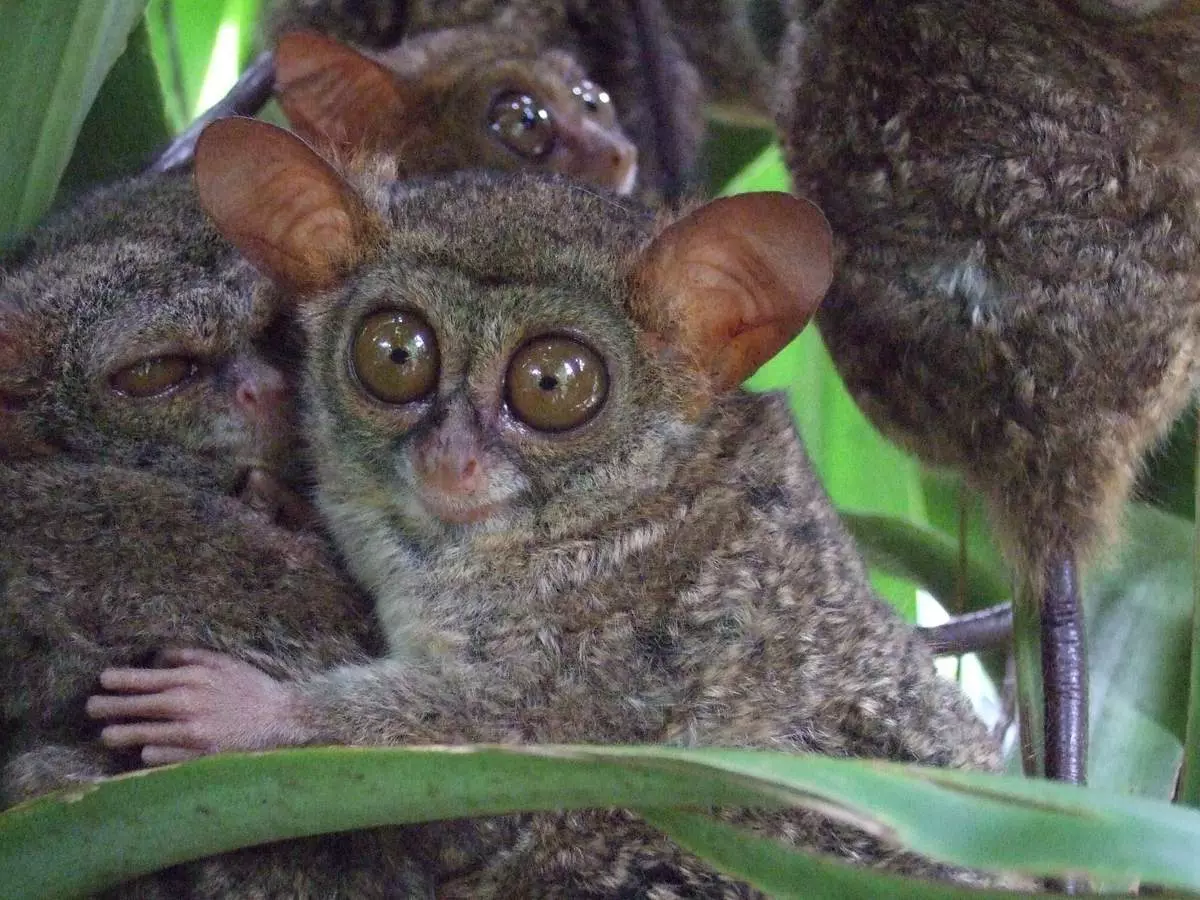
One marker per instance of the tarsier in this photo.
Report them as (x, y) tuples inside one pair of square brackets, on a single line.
[(531, 449), (1015, 191), (628, 50), (457, 99), (137, 390)]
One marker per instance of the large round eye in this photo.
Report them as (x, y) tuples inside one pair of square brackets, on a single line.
[(396, 356), (152, 376), (555, 383), (522, 124)]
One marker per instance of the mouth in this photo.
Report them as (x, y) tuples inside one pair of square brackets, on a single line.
[(457, 512)]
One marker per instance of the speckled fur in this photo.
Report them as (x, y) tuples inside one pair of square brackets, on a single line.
[(672, 572), (132, 270), (1016, 192), (102, 566)]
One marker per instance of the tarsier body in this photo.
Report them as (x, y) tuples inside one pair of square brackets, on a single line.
[(530, 447), (1015, 188), (137, 392)]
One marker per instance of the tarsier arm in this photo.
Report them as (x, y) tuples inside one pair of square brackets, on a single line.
[(202, 702)]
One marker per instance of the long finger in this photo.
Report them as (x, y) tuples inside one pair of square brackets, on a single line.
[(151, 734), (134, 706)]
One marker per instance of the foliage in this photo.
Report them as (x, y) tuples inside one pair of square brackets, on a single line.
[(182, 56)]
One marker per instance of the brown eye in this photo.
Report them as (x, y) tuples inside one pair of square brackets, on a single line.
[(152, 376), (396, 356), (522, 124), (555, 383)]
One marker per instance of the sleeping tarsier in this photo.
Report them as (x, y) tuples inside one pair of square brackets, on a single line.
[(137, 392), (1015, 192), (531, 449)]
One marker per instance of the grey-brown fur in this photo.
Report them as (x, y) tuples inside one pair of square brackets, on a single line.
[(1016, 192), (672, 573)]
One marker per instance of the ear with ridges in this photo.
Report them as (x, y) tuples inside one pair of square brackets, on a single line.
[(332, 93), (286, 209), (731, 283)]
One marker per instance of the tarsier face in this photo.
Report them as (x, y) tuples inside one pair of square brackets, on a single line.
[(139, 341), (470, 403)]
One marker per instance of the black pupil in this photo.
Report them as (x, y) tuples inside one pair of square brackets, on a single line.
[(399, 356), (548, 382)]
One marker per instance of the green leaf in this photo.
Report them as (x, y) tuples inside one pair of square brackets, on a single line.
[(1138, 614), (1169, 479), (199, 48), (946, 501), (54, 55), (97, 835), (126, 124)]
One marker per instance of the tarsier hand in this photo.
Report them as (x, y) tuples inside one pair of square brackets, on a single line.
[(197, 702)]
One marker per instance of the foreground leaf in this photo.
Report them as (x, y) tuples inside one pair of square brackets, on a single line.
[(98, 835), (54, 55)]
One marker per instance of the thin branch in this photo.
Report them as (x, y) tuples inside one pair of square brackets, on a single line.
[(246, 98)]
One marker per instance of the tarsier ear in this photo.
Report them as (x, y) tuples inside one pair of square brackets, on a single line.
[(286, 209), (333, 93), (734, 281)]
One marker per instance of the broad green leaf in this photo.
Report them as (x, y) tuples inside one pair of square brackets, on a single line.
[(54, 55), (765, 172), (727, 150), (126, 124), (1189, 782), (1138, 615), (96, 835)]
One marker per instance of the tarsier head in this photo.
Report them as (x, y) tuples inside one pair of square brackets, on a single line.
[(461, 108), (129, 334), (487, 349)]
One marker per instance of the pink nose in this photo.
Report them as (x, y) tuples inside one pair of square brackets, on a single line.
[(449, 469), (260, 392)]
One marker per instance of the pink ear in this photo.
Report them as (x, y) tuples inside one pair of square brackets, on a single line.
[(731, 283), (285, 208), (332, 93)]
